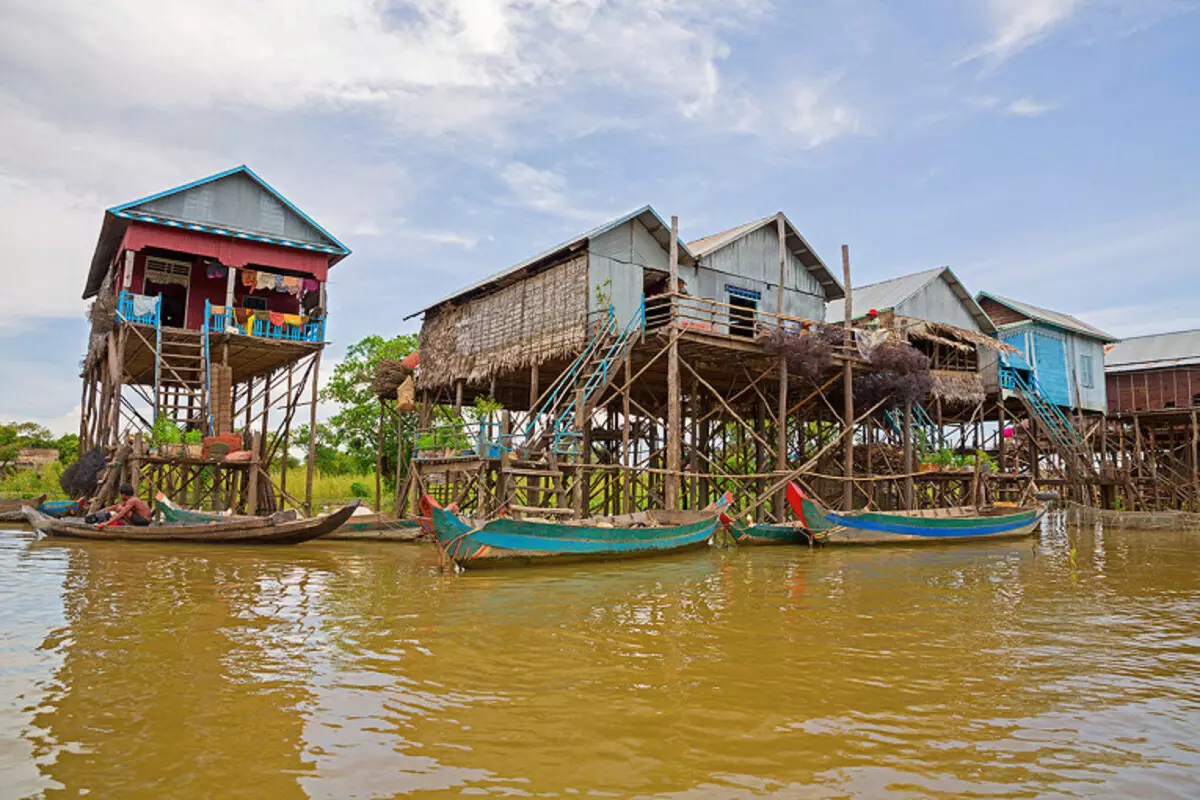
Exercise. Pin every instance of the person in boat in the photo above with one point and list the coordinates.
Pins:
(132, 510)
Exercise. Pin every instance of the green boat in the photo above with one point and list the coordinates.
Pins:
(788, 533)
(929, 526)
(504, 542)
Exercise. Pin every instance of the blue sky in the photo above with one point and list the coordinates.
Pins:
(1044, 149)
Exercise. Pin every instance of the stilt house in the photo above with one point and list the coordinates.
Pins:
(1060, 357)
(597, 349)
(208, 316)
(1160, 372)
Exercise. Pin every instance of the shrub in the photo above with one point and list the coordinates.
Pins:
(360, 490)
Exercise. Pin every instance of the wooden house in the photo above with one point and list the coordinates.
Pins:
(598, 349)
(935, 313)
(1061, 355)
(209, 313)
(1160, 372)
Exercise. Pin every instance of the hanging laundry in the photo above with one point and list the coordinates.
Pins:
(293, 319)
(249, 278)
(293, 286)
(279, 283)
(215, 270)
(265, 281)
(144, 305)
(312, 285)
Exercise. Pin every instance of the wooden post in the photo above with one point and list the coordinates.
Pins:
(379, 461)
(458, 397)
(626, 454)
(252, 475)
(848, 389)
(577, 490)
(674, 415)
(906, 436)
(1195, 467)
(287, 432)
(1001, 445)
(781, 438)
(312, 434)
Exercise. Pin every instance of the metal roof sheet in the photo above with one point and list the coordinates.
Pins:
(1175, 349)
(1055, 318)
(795, 241)
(660, 230)
(888, 294)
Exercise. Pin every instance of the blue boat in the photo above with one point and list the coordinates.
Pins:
(929, 526)
(503, 541)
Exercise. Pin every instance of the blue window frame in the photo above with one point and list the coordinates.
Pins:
(1085, 372)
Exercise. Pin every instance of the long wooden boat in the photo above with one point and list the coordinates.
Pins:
(504, 542)
(253, 530)
(931, 526)
(11, 509)
(786, 533)
(169, 512)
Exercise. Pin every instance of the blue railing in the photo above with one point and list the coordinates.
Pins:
(127, 303)
(220, 319)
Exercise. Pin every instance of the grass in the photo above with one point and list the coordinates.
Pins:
(337, 490)
(29, 483)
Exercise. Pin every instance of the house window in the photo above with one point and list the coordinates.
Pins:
(1085, 372)
(743, 307)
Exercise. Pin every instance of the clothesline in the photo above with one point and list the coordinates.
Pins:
(258, 279)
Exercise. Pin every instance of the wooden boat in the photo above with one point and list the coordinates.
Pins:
(378, 528)
(252, 530)
(787, 533)
(503, 541)
(932, 526)
(11, 510)
(169, 512)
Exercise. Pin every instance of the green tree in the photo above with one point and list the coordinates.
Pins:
(17, 435)
(347, 442)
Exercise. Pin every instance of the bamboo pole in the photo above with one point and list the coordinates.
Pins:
(848, 386)
(674, 414)
(315, 377)
(908, 455)
(379, 461)
(781, 438)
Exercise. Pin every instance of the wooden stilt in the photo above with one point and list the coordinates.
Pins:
(674, 413)
(848, 389)
(315, 377)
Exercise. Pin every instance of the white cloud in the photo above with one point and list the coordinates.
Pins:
(1017, 24)
(428, 66)
(1028, 107)
(545, 191)
(817, 118)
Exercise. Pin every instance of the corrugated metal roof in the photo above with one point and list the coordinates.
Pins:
(888, 294)
(117, 218)
(798, 244)
(653, 223)
(1055, 318)
(1176, 349)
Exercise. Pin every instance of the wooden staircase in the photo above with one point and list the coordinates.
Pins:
(180, 379)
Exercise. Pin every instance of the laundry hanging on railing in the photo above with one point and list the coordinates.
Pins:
(292, 285)
(266, 281)
(311, 285)
(249, 278)
(144, 305)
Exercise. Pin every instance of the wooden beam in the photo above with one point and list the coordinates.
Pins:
(674, 412)
(848, 388)
(315, 377)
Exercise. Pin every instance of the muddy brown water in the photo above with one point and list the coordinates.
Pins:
(1062, 666)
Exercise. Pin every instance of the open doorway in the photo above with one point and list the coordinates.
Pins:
(169, 280)
(742, 311)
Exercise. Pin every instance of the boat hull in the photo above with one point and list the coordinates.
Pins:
(880, 528)
(255, 530)
(770, 534)
(505, 542)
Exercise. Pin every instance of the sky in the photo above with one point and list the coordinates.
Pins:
(1043, 149)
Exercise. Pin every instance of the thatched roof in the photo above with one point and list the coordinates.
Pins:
(951, 335)
(956, 386)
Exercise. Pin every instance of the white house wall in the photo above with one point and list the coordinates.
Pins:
(1095, 397)
(615, 267)
(936, 302)
(752, 262)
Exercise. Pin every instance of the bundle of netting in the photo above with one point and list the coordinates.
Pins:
(388, 377)
(809, 353)
(900, 373)
(82, 478)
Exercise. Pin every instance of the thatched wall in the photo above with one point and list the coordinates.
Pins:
(957, 387)
(531, 321)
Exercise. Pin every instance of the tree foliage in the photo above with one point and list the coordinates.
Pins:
(16, 436)
(347, 441)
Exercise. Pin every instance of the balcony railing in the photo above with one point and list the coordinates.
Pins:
(284, 327)
(138, 308)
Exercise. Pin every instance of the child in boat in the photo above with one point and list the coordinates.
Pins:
(132, 510)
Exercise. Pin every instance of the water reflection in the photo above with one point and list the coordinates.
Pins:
(1061, 665)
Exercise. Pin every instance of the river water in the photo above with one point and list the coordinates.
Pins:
(1062, 666)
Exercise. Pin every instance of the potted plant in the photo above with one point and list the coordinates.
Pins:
(194, 443)
(166, 436)
(941, 461)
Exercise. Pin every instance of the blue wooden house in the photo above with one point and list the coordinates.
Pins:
(1060, 356)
